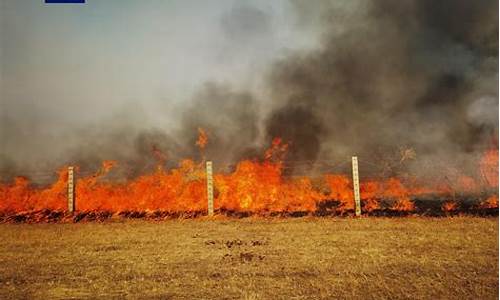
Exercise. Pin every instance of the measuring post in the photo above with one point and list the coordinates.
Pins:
(210, 189)
(355, 184)
(71, 190)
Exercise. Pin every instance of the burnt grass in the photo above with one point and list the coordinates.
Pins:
(429, 206)
(251, 258)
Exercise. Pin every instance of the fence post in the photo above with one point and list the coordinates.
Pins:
(71, 190)
(210, 189)
(355, 181)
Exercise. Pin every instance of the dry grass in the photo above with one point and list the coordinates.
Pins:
(306, 258)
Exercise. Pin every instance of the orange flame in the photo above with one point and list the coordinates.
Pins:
(491, 202)
(341, 190)
(449, 206)
(489, 167)
(277, 151)
(202, 140)
(254, 186)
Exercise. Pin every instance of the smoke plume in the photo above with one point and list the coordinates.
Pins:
(387, 76)
(419, 74)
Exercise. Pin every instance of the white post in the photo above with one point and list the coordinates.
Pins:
(355, 184)
(71, 190)
(210, 189)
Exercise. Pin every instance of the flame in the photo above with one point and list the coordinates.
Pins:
(489, 167)
(107, 165)
(202, 140)
(277, 151)
(341, 190)
(449, 206)
(403, 204)
(259, 187)
(491, 202)
(20, 196)
(256, 186)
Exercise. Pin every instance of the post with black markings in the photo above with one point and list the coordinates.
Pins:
(71, 190)
(355, 184)
(210, 189)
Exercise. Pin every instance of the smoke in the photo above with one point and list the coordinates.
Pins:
(244, 23)
(229, 117)
(391, 74)
(387, 76)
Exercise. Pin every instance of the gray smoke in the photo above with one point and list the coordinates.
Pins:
(391, 74)
(387, 76)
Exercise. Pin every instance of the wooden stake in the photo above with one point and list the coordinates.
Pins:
(71, 190)
(210, 189)
(355, 181)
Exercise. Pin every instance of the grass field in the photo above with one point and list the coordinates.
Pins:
(302, 258)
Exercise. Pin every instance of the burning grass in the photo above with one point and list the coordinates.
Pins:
(254, 187)
(432, 208)
(253, 258)
(259, 187)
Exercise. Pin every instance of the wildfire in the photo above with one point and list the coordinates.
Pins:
(202, 140)
(449, 206)
(491, 202)
(403, 204)
(489, 167)
(255, 186)
(277, 151)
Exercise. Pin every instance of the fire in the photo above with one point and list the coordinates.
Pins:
(202, 140)
(20, 196)
(449, 206)
(491, 202)
(489, 167)
(277, 151)
(255, 186)
(403, 204)
(396, 190)
(370, 191)
(182, 189)
(107, 165)
(259, 187)
(341, 190)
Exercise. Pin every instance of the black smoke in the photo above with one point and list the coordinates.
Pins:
(391, 74)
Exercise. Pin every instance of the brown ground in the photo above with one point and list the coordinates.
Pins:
(303, 258)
